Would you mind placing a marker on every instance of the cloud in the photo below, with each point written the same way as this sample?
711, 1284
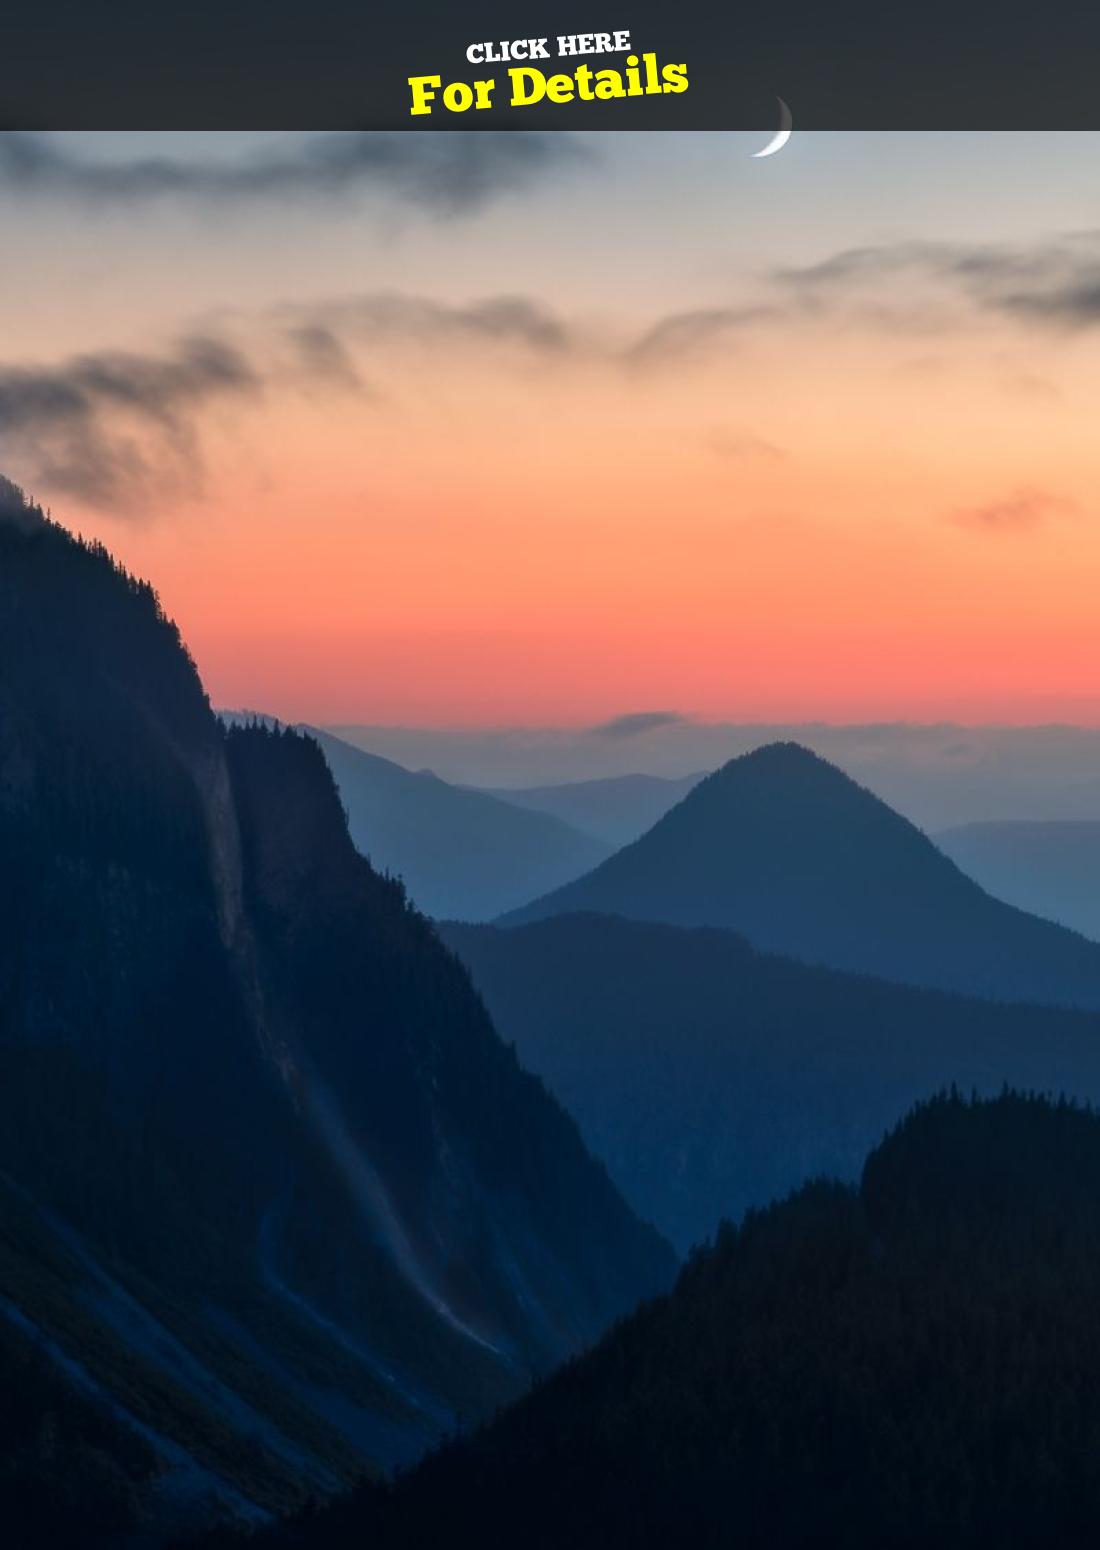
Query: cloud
860, 264
683, 334
638, 722
107, 427
390, 314
1055, 282
1020, 512
120, 430
445, 173
324, 358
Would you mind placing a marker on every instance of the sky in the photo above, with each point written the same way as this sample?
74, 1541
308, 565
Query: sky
546, 430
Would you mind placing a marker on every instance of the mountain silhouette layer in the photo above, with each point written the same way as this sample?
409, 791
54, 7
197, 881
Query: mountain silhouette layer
710, 1077
908, 1362
462, 854
1048, 866
277, 1204
615, 809
784, 848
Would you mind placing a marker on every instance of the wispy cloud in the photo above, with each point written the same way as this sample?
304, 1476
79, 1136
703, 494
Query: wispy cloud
638, 722
106, 427
384, 315
904, 288
445, 173
323, 356
684, 334
122, 430
1019, 512
1054, 282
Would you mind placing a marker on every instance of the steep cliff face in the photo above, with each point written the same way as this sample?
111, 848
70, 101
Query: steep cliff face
118, 992
473, 1181
242, 1079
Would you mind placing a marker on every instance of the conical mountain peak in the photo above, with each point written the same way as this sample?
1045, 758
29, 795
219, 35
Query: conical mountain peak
784, 848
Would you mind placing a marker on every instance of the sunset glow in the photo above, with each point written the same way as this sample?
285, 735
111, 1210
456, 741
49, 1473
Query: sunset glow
693, 458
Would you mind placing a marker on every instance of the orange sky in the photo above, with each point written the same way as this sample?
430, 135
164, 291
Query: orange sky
868, 495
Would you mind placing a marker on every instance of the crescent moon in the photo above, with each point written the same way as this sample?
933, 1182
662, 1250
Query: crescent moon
782, 134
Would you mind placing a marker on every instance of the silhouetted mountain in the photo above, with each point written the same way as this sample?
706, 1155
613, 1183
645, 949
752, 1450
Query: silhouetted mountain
710, 1077
784, 848
276, 1200
460, 853
1051, 868
907, 1364
938, 776
616, 810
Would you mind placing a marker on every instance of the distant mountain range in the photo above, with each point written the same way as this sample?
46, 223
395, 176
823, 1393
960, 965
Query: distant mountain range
1051, 868
711, 1078
276, 1203
462, 854
939, 775
906, 1363
782, 847
616, 810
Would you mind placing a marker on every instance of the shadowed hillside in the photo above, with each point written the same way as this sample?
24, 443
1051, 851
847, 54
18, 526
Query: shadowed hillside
276, 1200
1050, 867
711, 1077
912, 1362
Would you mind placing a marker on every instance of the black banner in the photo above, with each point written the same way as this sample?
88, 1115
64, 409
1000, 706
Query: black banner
338, 64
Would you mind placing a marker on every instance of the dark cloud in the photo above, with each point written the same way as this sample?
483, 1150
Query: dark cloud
1020, 512
858, 264
446, 173
1070, 302
639, 722
109, 427
324, 357
1054, 282
495, 319
687, 333
120, 429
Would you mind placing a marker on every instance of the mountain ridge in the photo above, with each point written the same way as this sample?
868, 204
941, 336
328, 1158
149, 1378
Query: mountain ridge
614, 808
462, 853
711, 1077
908, 1360
1046, 866
784, 848
244, 1074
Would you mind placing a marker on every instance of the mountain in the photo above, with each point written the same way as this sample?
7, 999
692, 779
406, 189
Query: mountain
710, 1077
615, 810
1049, 867
938, 775
783, 847
461, 854
905, 1363
276, 1204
